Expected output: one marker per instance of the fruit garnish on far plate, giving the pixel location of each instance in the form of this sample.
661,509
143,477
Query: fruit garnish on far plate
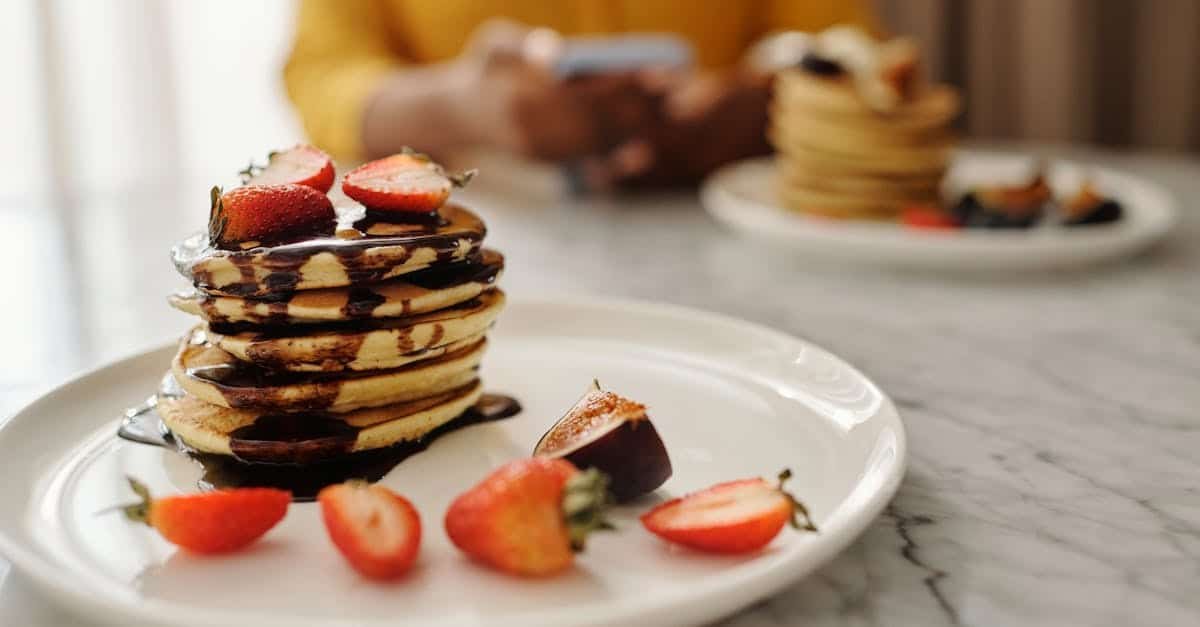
1005,206
298,165
733,517
614,435
821,66
408,181
255,214
1088,206
884,72
377,530
529,517
929,217
211,522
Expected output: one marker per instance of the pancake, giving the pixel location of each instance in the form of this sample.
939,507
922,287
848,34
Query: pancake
381,344
418,292
371,251
887,187
903,160
303,438
841,205
854,136
839,193
797,90
215,376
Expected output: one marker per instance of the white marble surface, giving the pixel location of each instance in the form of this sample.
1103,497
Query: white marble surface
1054,433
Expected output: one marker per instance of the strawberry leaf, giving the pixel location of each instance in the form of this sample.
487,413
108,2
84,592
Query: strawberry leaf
460,179
798,508
584,503
217,220
138,512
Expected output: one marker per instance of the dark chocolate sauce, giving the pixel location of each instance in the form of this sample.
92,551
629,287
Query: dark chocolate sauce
141,424
482,268
208,305
361,302
405,344
400,235
436,337
302,438
429,222
244,384
304,481
283,329
281,281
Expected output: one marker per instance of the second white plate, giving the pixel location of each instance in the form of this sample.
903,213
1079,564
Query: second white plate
742,196
730,399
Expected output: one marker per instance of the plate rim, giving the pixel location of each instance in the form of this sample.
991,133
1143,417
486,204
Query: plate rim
41,570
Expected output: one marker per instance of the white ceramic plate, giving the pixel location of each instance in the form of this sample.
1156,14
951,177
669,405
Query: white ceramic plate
742,196
730,399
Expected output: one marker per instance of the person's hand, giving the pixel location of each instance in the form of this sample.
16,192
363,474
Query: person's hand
511,99
706,120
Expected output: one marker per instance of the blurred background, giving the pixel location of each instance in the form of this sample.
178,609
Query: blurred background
119,115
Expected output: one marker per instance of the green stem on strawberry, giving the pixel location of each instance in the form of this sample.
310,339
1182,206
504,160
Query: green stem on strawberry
251,170
138,512
460,179
457,179
584,503
798,508
217,221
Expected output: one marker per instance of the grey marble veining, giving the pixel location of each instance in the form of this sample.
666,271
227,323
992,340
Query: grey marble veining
1053,419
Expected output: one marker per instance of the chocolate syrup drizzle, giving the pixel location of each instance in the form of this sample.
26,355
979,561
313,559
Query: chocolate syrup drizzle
305,451
357,231
483,268
248,385
325,440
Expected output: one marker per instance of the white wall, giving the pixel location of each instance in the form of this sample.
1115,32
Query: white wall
105,94
116,116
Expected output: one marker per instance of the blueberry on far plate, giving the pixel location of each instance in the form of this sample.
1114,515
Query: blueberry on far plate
974,214
1004,206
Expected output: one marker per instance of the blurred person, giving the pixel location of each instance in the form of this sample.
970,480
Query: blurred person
371,76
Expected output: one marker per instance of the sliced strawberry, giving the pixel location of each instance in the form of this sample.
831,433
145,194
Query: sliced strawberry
734,517
299,165
928,217
211,522
377,530
529,516
261,213
408,181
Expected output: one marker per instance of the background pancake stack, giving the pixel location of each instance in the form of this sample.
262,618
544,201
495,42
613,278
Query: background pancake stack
352,341
857,134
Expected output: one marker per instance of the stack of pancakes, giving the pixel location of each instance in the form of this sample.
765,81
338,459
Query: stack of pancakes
317,348
857,135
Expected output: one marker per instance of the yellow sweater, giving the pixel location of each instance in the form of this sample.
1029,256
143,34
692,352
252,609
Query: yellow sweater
343,48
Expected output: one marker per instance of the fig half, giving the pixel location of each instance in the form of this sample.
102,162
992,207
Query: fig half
614,435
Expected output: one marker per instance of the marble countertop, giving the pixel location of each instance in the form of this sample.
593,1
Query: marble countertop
1053,427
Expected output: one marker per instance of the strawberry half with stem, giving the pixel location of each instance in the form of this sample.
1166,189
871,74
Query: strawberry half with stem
211,522
529,517
298,165
262,213
408,181
733,517
377,530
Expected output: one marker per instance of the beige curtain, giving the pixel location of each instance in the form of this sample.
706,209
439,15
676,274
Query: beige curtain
1115,72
